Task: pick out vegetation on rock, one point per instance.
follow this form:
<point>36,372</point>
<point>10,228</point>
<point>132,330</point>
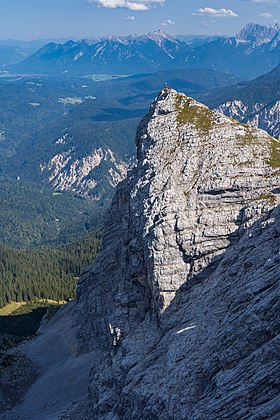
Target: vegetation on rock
<point>188,112</point>
<point>274,161</point>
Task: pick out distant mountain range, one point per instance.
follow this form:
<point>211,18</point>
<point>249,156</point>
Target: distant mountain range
<point>256,102</point>
<point>255,50</point>
<point>13,51</point>
<point>196,40</point>
<point>256,34</point>
<point>11,55</point>
<point>122,55</point>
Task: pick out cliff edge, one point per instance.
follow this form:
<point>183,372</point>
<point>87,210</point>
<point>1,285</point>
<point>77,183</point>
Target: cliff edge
<point>180,307</point>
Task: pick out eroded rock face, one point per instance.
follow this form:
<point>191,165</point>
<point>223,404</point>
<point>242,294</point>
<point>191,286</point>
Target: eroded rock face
<point>200,180</point>
<point>215,353</point>
<point>181,305</point>
<point>68,172</point>
<point>264,116</point>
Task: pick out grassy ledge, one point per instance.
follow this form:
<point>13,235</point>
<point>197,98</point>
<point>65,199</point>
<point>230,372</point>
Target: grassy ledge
<point>248,138</point>
<point>274,160</point>
<point>189,112</point>
<point>270,198</point>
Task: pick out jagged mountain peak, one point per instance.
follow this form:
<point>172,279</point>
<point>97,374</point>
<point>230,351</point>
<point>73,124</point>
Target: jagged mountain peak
<point>191,164</point>
<point>170,96</point>
<point>190,112</point>
<point>256,33</point>
<point>156,36</point>
<point>201,181</point>
<point>88,42</point>
<point>204,120</point>
<point>160,35</point>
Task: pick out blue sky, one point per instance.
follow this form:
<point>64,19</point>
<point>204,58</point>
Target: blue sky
<point>29,19</point>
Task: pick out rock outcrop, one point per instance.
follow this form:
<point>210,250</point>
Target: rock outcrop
<point>180,312</point>
<point>68,172</point>
<point>180,307</point>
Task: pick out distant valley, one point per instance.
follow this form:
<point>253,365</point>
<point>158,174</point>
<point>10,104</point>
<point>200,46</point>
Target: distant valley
<point>83,138</point>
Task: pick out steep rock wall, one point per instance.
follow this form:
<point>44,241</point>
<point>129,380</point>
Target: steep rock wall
<point>180,306</point>
<point>200,180</point>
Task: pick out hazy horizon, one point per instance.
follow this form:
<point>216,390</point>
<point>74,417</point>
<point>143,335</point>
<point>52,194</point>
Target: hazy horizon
<point>78,19</point>
<point>65,39</point>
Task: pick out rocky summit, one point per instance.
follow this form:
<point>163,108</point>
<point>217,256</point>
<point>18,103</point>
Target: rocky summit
<point>178,318</point>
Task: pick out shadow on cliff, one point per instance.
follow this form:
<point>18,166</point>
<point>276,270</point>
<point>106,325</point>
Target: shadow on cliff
<point>233,239</point>
<point>224,346</point>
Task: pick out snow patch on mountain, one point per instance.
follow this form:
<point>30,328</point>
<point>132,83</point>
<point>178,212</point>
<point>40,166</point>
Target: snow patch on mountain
<point>79,55</point>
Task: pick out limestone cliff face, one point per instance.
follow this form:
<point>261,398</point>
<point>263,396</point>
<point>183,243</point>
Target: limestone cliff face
<point>181,306</point>
<point>66,171</point>
<point>200,180</point>
<point>264,116</point>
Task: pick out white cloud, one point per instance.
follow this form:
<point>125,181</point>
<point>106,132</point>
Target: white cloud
<point>266,15</point>
<point>209,11</point>
<point>167,22</point>
<point>131,18</point>
<point>264,1</point>
<point>136,5</point>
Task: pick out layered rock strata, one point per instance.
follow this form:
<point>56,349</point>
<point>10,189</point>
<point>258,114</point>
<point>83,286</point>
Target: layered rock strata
<point>67,172</point>
<point>201,179</point>
<point>180,307</point>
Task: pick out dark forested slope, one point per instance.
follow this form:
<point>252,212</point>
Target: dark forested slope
<point>45,272</point>
<point>32,215</point>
